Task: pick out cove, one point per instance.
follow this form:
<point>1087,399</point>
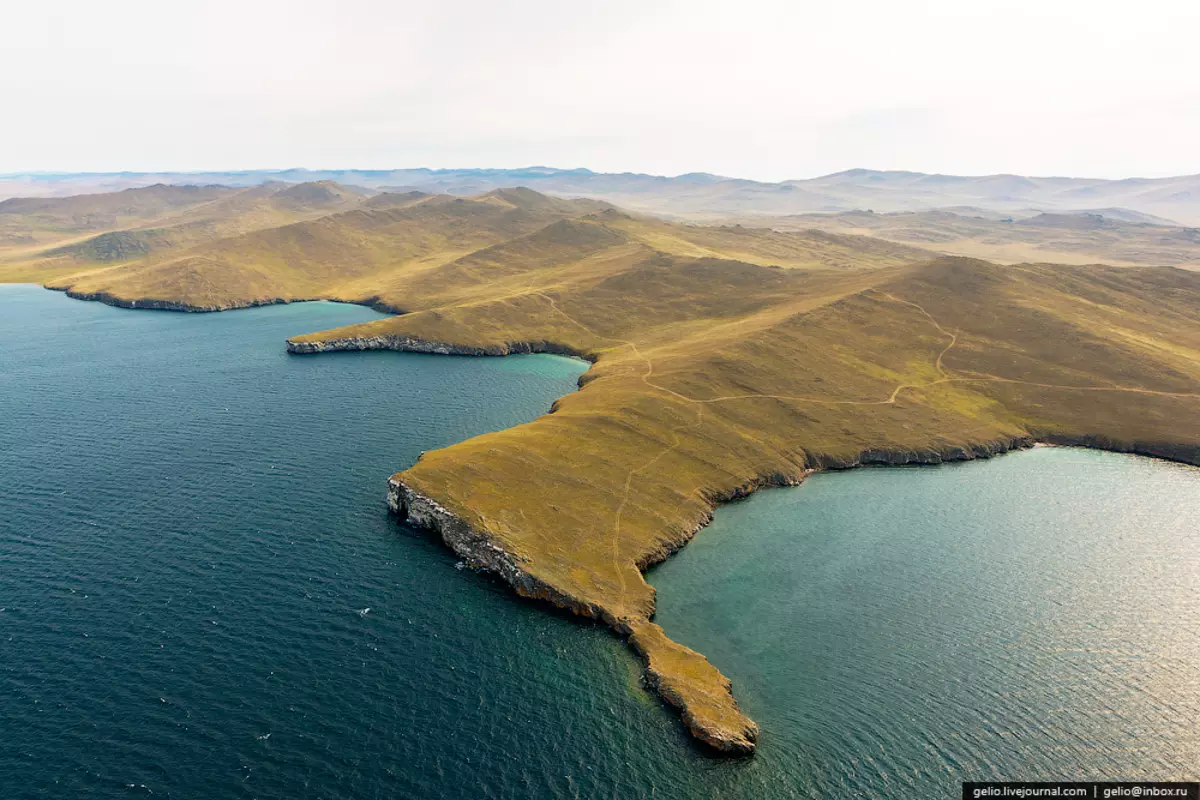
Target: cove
<point>203,596</point>
<point>896,631</point>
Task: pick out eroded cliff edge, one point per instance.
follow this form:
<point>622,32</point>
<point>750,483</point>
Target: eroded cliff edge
<point>682,677</point>
<point>723,360</point>
<point>690,405</point>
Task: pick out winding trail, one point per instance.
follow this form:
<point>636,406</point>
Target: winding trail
<point>616,544</point>
<point>946,378</point>
<point>953,336</point>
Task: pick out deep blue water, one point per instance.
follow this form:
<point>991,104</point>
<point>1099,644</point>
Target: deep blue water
<point>202,595</point>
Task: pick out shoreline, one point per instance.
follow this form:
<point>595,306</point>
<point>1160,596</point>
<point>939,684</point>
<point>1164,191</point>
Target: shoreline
<point>411,344</point>
<point>110,299</point>
<point>482,549</point>
<point>730,732</point>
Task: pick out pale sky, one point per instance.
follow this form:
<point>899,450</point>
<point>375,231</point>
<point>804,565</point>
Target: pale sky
<point>751,88</point>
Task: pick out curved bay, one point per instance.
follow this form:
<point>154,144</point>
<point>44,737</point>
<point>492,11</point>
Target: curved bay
<point>192,528</point>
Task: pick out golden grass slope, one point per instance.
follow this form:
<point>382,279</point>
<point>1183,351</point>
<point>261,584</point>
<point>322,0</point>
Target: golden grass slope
<point>364,255</point>
<point>31,224</point>
<point>713,377</point>
<point>44,239</point>
<point>406,251</point>
<point>724,359</point>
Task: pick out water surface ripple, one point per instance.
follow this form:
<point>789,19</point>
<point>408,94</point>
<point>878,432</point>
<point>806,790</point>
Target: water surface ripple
<point>202,596</point>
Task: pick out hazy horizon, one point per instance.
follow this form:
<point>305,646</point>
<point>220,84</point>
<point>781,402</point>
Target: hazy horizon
<point>523,167</point>
<point>768,91</point>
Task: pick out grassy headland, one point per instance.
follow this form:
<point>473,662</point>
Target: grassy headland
<point>724,359</point>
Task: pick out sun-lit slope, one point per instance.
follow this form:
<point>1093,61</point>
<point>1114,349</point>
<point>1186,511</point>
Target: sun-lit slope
<point>367,254</point>
<point>411,251</point>
<point>529,200</point>
<point>1069,238</point>
<point>713,377</point>
<point>160,229</point>
<point>97,211</point>
<point>763,246</point>
<point>30,224</point>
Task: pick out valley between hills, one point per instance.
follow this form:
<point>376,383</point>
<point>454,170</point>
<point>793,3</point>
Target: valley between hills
<point>724,359</point>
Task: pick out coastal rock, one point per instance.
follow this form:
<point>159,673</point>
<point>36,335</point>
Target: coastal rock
<point>409,344</point>
<point>690,683</point>
<point>166,305</point>
<point>682,677</point>
<point>904,457</point>
<point>1166,450</point>
<point>479,550</point>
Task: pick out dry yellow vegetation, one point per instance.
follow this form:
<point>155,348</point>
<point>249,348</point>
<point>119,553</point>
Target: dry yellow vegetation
<point>1115,237</point>
<point>44,239</point>
<point>724,359</point>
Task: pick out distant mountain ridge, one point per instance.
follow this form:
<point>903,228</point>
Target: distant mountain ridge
<point>701,195</point>
<point>1109,236</point>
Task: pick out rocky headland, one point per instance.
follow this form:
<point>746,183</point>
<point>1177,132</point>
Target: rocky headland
<point>723,359</point>
<point>681,677</point>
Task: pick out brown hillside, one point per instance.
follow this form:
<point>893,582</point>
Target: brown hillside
<point>714,377</point>
<point>153,227</point>
<point>724,359</point>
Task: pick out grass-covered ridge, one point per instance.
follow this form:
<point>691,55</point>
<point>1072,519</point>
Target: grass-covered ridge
<point>724,359</point>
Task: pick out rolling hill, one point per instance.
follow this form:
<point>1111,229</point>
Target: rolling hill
<point>1111,236</point>
<point>404,250</point>
<point>724,359</point>
<point>41,238</point>
<point>705,197</point>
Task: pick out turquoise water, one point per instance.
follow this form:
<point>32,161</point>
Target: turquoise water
<point>192,531</point>
<point>896,631</point>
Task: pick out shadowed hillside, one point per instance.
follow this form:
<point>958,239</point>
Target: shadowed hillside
<point>725,359</point>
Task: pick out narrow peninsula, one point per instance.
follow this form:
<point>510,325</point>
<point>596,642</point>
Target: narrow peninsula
<point>724,359</point>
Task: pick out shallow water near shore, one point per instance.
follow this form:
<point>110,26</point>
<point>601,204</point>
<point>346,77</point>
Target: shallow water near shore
<point>202,595</point>
<point>1030,617</point>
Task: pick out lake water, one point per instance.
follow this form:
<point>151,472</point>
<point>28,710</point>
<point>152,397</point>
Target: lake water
<point>202,595</point>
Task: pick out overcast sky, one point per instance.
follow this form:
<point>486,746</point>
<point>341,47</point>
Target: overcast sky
<point>750,88</point>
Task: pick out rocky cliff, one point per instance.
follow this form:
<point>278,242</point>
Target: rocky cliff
<point>682,677</point>
<point>409,344</point>
<point>705,714</point>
